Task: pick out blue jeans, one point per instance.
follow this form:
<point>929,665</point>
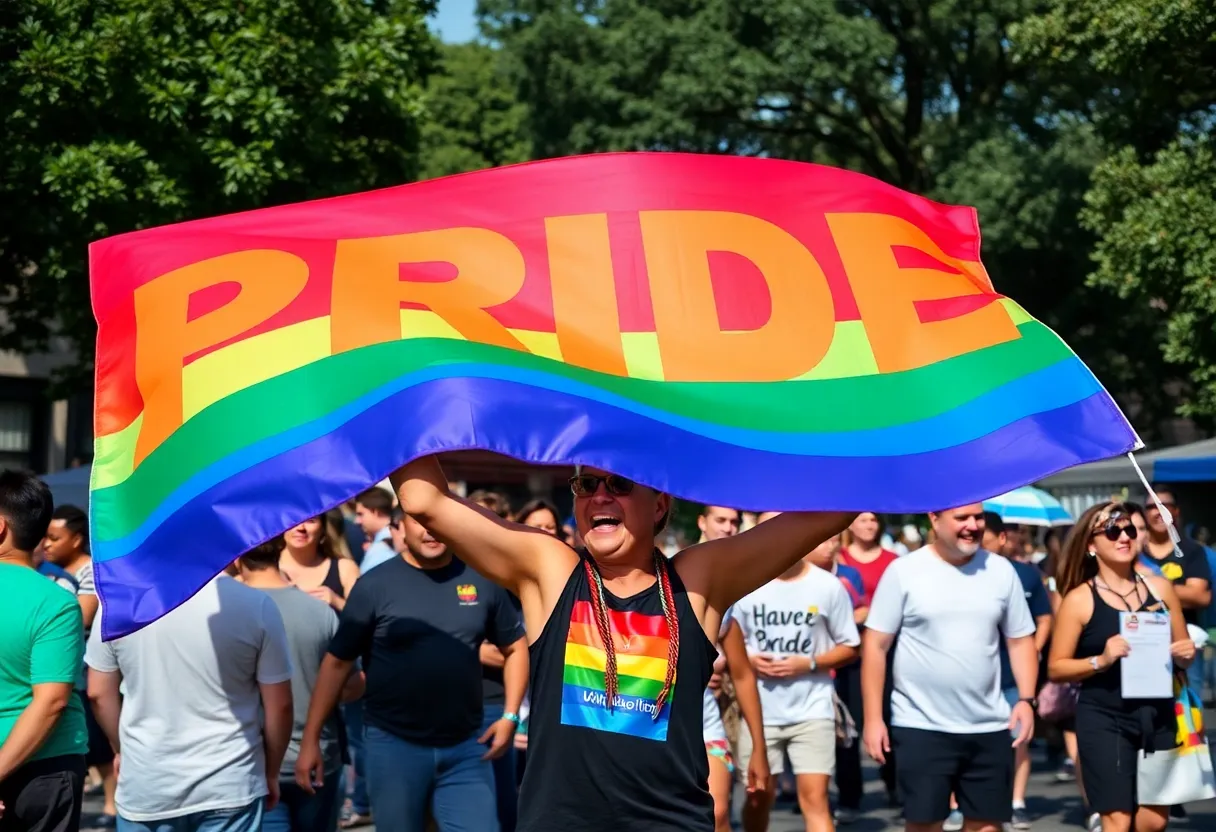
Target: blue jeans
<point>505,787</point>
<point>352,715</point>
<point>299,811</point>
<point>241,819</point>
<point>403,777</point>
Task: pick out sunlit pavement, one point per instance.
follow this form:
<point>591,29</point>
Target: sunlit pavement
<point>1053,806</point>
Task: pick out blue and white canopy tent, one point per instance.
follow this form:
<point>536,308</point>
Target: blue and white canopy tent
<point>1029,506</point>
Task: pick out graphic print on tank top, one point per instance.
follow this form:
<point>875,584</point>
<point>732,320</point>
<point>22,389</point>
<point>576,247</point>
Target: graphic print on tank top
<point>642,643</point>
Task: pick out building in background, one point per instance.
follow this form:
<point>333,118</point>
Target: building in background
<point>1190,470</point>
<point>37,430</point>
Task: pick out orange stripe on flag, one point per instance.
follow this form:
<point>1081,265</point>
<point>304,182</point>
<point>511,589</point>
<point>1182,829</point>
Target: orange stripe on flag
<point>625,644</point>
<point>622,622</point>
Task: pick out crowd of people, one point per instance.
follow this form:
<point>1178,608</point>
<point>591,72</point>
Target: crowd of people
<point>420,660</point>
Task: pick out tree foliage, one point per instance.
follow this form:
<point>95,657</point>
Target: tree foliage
<point>1143,72</point>
<point>121,114</point>
<point>1157,251</point>
<point>934,96</point>
<point>1081,130</point>
<point>891,89</point>
<point>474,118</point>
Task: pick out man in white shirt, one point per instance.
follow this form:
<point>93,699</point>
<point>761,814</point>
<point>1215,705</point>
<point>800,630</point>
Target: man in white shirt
<point>950,603</point>
<point>205,714</point>
<point>798,629</point>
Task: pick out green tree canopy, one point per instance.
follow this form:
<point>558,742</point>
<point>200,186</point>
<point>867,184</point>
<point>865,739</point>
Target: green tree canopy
<point>122,114</point>
<point>929,96</point>
<point>1143,73</point>
<point>474,119</point>
<point>891,89</point>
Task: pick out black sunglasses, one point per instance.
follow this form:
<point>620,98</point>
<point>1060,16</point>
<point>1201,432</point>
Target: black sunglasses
<point>585,485</point>
<point>1112,532</point>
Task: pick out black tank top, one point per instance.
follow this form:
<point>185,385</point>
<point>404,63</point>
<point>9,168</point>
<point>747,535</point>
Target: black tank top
<point>333,579</point>
<point>1105,688</point>
<point>590,769</point>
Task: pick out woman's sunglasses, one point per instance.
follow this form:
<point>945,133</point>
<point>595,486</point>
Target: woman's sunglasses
<point>1112,532</point>
<point>585,485</point>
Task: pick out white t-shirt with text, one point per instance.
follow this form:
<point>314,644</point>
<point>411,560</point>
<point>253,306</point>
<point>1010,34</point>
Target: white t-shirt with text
<point>949,621</point>
<point>191,725</point>
<point>807,616</point>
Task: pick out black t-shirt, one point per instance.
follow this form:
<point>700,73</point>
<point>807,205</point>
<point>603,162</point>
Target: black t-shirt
<point>418,632</point>
<point>493,690</point>
<point>600,770</point>
<point>1192,564</point>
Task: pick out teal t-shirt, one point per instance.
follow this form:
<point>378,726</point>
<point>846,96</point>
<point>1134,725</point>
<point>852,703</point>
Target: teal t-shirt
<point>42,642</point>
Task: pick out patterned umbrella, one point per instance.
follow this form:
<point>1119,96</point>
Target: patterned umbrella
<point>1029,506</point>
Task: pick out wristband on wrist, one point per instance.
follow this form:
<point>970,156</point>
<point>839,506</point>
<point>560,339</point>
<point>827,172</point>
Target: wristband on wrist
<point>510,717</point>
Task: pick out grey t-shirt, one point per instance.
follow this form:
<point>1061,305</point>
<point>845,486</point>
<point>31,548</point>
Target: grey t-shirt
<point>950,621</point>
<point>191,723</point>
<point>84,579</point>
<point>311,625</point>
<point>84,576</point>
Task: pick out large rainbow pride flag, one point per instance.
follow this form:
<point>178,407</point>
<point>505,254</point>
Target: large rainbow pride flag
<point>739,331</point>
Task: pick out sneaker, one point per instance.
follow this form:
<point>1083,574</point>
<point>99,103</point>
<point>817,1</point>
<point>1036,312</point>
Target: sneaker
<point>1094,824</point>
<point>953,823</point>
<point>353,820</point>
<point>845,816</point>
<point>1020,819</point>
<point>1067,772</point>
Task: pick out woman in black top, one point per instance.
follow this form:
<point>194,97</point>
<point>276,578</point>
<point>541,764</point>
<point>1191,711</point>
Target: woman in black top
<point>310,561</point>
<point>1097,578</point>
<point>621,643</point>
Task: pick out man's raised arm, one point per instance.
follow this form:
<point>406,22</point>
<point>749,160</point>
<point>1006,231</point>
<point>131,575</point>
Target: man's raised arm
<point>725,570</point>
<point>507,553</point>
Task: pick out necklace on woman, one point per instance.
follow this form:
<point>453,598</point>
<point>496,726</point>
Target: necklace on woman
<point>1135,590</point>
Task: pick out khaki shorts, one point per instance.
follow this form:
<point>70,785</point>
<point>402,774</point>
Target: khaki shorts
<point>811,747</point>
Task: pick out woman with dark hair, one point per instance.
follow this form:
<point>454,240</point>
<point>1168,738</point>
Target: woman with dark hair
<point>864,552</point>
<point>539,513</point>
<point>1098,580</point>
<point>310,561</point>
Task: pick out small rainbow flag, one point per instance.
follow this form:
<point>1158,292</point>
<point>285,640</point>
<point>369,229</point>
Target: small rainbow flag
<point>1188,715</point>
<point>738,331</point>
<point>642,642</point>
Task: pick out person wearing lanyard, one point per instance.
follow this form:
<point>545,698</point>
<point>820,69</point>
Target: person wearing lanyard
<point>1098,580</point>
